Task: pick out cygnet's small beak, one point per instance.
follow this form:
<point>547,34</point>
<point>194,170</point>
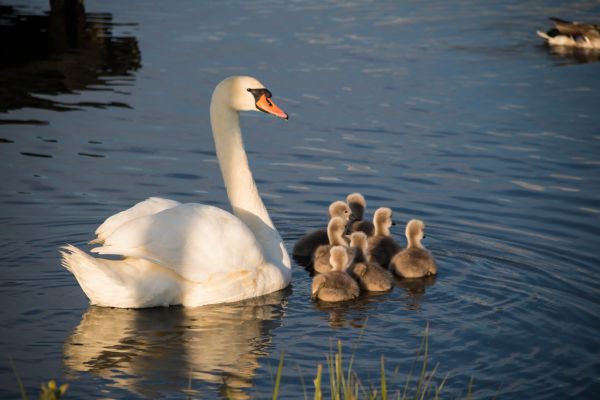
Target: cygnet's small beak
<point>424,236</point>
<point>267,105</point>
<point>353,218</point>
<point>393,223</point>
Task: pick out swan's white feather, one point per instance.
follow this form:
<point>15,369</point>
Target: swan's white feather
<point>149,206</point>
<point>194,240</point>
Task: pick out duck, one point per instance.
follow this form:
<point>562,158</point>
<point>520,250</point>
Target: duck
<point>335,233</point>
<point>335,285</point>
<point>305,246</point>
<point>382,246</point>
<point>357,203</point>
<point>370,276</point>
<point>572,34</point>
<point>414,261</point>
<point>193,254</point>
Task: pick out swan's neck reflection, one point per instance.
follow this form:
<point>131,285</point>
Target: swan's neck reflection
<point>154,352</point>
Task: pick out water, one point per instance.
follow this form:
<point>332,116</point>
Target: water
<point>452,113</point>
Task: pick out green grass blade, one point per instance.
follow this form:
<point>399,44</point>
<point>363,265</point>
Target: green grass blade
<point>383,383</point>
<point>278,377</point>
<point>19,381</point>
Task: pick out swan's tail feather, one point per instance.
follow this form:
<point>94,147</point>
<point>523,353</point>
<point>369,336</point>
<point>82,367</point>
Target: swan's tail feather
<point>121,283</point>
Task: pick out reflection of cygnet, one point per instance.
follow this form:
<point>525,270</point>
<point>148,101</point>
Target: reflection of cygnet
<point>307,244</point>
<point>370,276</point>
<point>357,205</point>
<point>415,261</point>
<point>335,232</point>
<point>382,247</point>
<point>335,285</point>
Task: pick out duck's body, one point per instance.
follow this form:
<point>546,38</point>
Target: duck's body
<point>193,254</point>
<point>357,204</point>
<point>572,34</point>
<point>414,261</point>
<point>335,233</point>
<point>335,285</point>
<point>382,246</point>
<point>370,276</point>
<point>305,246</point>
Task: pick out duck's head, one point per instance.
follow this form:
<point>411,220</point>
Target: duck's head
<point>245,93</point>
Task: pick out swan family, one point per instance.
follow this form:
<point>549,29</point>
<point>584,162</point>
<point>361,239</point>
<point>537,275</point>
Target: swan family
<point>192,254</point>
<point>362,256</point>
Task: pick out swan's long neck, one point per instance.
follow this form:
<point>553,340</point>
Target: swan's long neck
<point>241,188</point>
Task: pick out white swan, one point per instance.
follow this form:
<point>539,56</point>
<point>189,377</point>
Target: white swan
<point>193,254</point>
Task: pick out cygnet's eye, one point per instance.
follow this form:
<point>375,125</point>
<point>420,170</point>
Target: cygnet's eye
<point>345,211</point>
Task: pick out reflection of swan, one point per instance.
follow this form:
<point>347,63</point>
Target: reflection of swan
<point>157,351</point>
<point>193,254</point>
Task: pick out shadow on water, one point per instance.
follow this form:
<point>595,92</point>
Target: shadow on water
<point>154,352</point>
<point>61,51</point>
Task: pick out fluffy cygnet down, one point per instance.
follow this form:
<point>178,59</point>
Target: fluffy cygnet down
<point>307,244</point>
<point>335,285</point>
<point>358,204</point>
<point>414,261</point>
<point>382,247</point>
<point>335,233</point>
<point>370,276</point>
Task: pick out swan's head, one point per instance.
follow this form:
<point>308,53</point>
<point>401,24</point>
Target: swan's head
<point>338,258</point>
<point>383,218</point>
<point>245,93</point>
<point>357,204</point>
<point>415,231</point>
<point>339,209</point>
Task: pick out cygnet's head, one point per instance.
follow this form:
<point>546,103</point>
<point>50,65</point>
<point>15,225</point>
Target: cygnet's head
<point>338,258</point>
<point>339,209</point>
<point>357,204</point>
<point>359,240</point>
<point>415,231</point>
<point>383,218</point>
<point>245,93</point>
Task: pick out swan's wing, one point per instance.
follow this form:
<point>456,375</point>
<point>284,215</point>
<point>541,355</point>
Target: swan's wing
<point>149,206</point>
<point>198,242</point>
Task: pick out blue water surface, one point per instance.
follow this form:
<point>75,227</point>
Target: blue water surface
<point>451,112</point>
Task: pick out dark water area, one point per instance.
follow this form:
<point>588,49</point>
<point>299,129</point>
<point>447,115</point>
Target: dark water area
<point>451,112</point>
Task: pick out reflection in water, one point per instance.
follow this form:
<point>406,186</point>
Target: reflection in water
<point>152,352</point>
<point>415,289</point>
<point>62,51</point>
<point>574,55</point>
<point>351,313</point>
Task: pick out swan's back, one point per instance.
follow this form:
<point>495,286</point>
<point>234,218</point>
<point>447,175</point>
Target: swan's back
<point>197,241</point>
<point>149,206</point>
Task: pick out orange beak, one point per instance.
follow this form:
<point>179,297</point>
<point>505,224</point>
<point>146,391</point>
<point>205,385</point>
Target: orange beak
<point>265,104</point>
